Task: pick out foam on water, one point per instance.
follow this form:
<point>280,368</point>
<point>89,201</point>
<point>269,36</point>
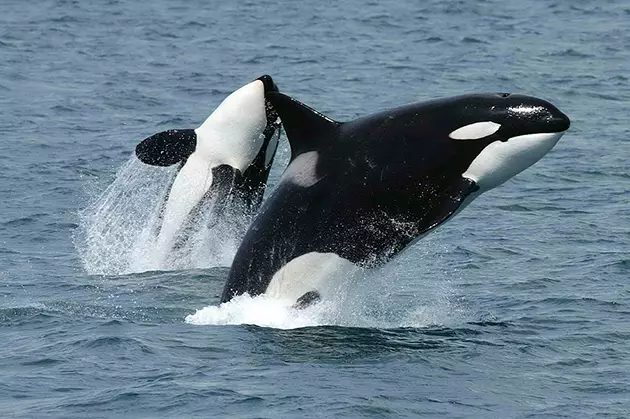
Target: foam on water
<point>366,306</point>
<point>280,314</point>
<point>117,232</point>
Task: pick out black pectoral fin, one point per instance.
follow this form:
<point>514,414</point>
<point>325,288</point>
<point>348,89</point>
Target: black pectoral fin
<point>306,129</point>
<point>167,147</point>
<point>307,300</point>
<point>448,203</point>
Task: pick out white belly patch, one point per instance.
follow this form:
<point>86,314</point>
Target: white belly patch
<point>321,272</point>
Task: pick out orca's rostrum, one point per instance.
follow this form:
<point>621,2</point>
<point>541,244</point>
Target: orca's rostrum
<point>359,192</point>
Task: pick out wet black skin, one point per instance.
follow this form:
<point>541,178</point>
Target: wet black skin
<point>383,180</point>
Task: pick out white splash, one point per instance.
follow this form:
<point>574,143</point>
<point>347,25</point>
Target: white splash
<point>117,232</point>
<point>364,304</point>
<point>260,310</point>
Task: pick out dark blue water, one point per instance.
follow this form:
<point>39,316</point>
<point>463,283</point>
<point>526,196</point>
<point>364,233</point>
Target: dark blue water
<point>520,307</point>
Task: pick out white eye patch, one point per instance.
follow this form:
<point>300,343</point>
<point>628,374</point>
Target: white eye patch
<point>475,131</point>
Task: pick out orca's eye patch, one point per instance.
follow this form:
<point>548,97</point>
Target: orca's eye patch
<point>475,131</point>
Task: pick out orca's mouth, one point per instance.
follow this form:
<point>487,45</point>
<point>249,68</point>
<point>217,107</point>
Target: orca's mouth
<point>270,132</point>
<point>271,114</point>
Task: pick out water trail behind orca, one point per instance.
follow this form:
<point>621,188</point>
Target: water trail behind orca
<point>118,230</point>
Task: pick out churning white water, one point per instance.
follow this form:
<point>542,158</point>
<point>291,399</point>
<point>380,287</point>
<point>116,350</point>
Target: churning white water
<point>364,302</point>
<point>281,314</point>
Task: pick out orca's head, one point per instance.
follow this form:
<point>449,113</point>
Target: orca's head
<point>504,134</point>
<point>234,147</point>
<point>241,128</point>
<point>237,133</point>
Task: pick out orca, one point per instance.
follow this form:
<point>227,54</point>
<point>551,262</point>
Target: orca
<point>227,159</point>
<point>355,194</point>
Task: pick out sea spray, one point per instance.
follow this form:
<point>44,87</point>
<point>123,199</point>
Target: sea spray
<point>118,231</point>
<point>364,302</point>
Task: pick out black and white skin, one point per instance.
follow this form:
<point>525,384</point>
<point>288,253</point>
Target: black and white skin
<point>227,159</point>
<point>357,193</point>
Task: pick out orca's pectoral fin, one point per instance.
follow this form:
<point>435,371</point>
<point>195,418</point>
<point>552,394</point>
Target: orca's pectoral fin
<point>167,147</point>
<point>448,203</point>
<point>307,300</point>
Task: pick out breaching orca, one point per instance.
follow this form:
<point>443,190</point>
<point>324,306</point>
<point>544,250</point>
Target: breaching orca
<point>357,193</point>
<point>227,158</point>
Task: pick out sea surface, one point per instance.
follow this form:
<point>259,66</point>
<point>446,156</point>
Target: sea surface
<point>518,308</point>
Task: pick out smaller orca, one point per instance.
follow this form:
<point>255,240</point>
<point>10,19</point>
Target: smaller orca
<point>227,159</point>
<point>356,194</point>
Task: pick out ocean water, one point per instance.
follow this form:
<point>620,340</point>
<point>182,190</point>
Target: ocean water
<point>518,308</point>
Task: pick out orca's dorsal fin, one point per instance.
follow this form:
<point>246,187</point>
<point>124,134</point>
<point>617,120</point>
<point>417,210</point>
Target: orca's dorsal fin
<point>306,129</point>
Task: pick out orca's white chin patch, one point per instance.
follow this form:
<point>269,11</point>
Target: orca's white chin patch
<point>233,133</point>
<point>500,161</point>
